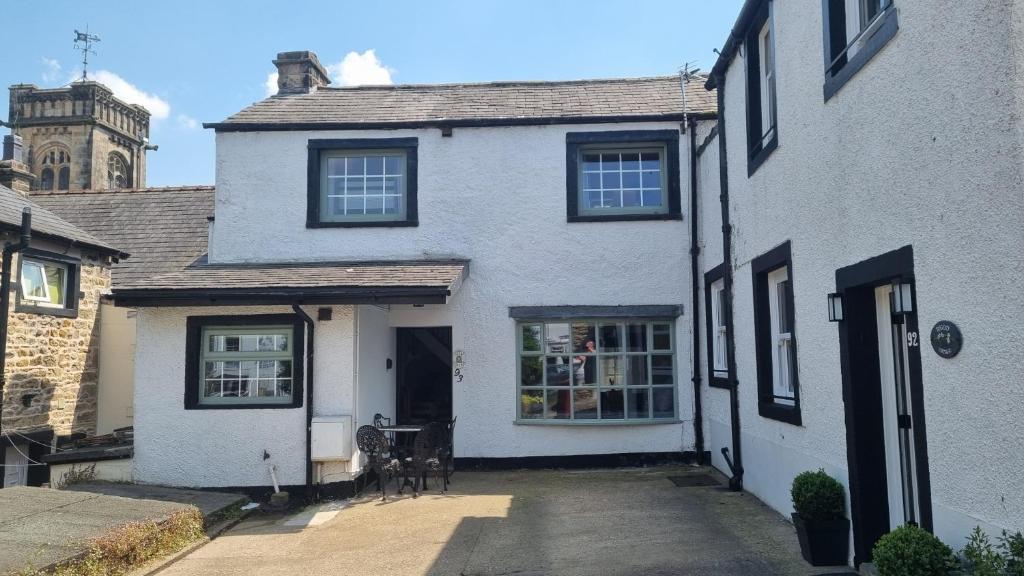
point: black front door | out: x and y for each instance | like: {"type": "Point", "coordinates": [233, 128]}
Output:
{"type": "Point", "coordinates": [424, 375]}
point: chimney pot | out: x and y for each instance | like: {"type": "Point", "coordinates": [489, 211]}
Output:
{"type": "Point", "coordinates": [299, 72]}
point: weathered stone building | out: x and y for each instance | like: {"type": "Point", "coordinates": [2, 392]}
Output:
{"type": "Point", "coordinates": [77, 137]}
{"type": "Point", "coordinates": [50, 334]}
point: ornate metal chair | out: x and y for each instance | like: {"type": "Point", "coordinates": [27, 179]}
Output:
{"type": "Point", "coordinates": [378, 420]}
{"type": "Point", "coordinates": [425, 457]}
{"type": "Point", "coordinates": [375, 446]}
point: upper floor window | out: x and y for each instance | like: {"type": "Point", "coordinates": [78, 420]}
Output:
{"type": "Point", "coordinates": [762, 136]}
{"type": "Point", "coordinates": [362, 182]}
{"type": "Point", "coordinates": [775, 334]}
{"type": "Point", "coordinates": [48, 284]}
{"type": "Point", "coordinates": [118, 174]}
{"type": "Point", "coordinates": [56, 168]}
{"type": "Point", "coordinates": [855, 30]}
{"type": "Point", "coordinates": [244, 361]}
{"type": "Point", "coordinates": [717, 331]}
{"type": "Point", "coordinates": [627, 175]}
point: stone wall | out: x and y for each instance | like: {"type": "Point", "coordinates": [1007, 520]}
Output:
{"type": "Point", "coordinates": [56, 360]}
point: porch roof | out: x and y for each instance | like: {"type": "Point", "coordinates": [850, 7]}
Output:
{"type": "Point", "coordinates": [377, 282]}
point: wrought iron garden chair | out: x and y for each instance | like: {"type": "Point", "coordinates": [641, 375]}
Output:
{"type": "Point", "coordinates": [425, 457]}
{"type": "Point", "coordinates": [375, 446]}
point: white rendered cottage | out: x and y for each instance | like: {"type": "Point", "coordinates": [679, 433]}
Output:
{"type": "Point", "coordinates": [511, 254]}
{"type": "Point", "coordinates": [870, 168]}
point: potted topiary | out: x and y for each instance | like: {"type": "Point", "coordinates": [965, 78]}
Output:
{"type": "Point", "coordinates": [911, 551]}
{"type": "Point", "coordinates": [820, 520]}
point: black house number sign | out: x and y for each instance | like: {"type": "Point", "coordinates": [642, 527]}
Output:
{"type": "Point", "coordinates": [946, 339]}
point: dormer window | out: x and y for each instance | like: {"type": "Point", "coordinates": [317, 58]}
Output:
{"type": "Point", "coordinates": [362, 182]}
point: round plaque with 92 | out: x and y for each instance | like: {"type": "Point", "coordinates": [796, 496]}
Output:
{"type": "Point", "coordinates": [946, 339]}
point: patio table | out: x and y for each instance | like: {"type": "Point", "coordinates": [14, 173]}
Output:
{"type": "Point", "coordinates": [404, 449]}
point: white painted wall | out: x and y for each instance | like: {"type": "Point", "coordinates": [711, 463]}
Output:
{"type": "Point", "coordinates": [923, 146]}
{"type": "Point", "coordinates": [497, 197]}
{"type": "Point", "coordinates": [181, 447]}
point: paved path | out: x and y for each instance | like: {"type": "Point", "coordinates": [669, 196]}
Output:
{"type": "Point", "coordinates": [40, 526]}
{"type": "Point", "coordinates": [612, 522]}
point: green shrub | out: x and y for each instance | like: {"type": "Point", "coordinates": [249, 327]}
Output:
{"type": "Point", "coordinates": [818, 497]}
{"type": "Point", "coordinates": [1012, 546]}
{"type": "Point", "coordinates": [980, 558]}
{"type": "Point", "coordinates": [912, 551]}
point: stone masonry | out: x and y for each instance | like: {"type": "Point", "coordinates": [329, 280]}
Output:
{"type": "Point", "coordinates": [52, 363]}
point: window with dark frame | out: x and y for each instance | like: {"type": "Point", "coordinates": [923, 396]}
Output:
{"type": "Point", "coordinates": [775, 336]}
{"type": "Point", "coordinates": [244, 362]}
{"type": "Point", "coordinates": [622, 175]}
{"type": "Point", "coordinates": [759, 47]}
{"type": "Point", "coordinates": [716, 329]}
{"type": "Point", "coordinates": [48, 283]}
{"type": "Point", "coordinates": [596, 370]}
{"type": "Point", "coordinates": [362, 182]}
{"type": "Point", "coordinates": [854, 31]}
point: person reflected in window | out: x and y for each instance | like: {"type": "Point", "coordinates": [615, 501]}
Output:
{"type": "Point", "coordinates": [583, 368]}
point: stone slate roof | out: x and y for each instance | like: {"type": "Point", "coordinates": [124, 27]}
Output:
{"type": "Point", "coordinates": [47, 224]}
{"type": "Point", "coordinates": [164, 229]}
{"type": "Point", "coordinates": [437, 274]}
{"type": "Point", "coordinates": [496, 103]}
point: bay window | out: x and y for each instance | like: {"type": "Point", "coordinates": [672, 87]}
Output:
{"type": "Point", "coordinates": [599, 370]}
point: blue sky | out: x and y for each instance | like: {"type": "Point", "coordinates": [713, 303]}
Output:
{"type": "Point", "coordinates": [200, 61]}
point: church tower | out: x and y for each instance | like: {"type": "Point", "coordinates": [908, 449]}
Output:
{"type": "Point", "coordinates": [78, 137]}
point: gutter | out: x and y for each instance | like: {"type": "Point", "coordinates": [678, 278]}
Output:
{"type": "Point", "coordinates": [736, 463]}
{"type": "Point", "coordinates": [716, 79]}
{"type": "Point", "coordinates": [5, 296]}
{"type": "Point", "coordinates": [698, 410]}
{"type": "Point", "coordinates": [310, 369]}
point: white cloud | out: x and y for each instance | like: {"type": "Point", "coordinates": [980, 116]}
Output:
{"type": "Point", "coordinates": [270, 85]}
{"type": "Point", "coordinates": [158, 108]}
{"type": "Point", "coordinates": [357, 69]}
{"type": "Point", "coordinates": [51, 73]}
{"type": "Point", "coordinates": [187, 122]}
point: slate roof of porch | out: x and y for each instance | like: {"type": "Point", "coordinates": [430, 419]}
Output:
{"type": "Point", "coordinates": [413, 281]}
{"type": "Point", "coordinates": [469, 104]}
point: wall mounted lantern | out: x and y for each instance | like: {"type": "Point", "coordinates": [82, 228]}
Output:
{"type": "Point", "coordinates": [835, 307]}
{"type": "Point", "coordinates": [902, 301]}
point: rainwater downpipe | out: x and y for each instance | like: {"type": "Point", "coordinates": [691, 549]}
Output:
{"type": "Point", "coordinates": [736, 462]}
{"type": "Point", "coordinates": [698, 410]}
{"type": "Point", "coordinates": [5, 296]}
{"type": "Point", "coordinates": [310, 369]}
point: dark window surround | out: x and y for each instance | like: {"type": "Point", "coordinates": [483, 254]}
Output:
{"type": "Point", "coordinates": [710, 277]}
{"type": "Point", "coordinates": [773, 260]}
{"type": "Point", "coordinates": [70, 309]}
{"type": "Point", "coordinates": [317, 146]}
{"type": "Point", "coordinates": [757, 151]}
{"type": "Point", "coordinates": [574, 141]}
{"type": "Point", "coordinates": [835, 42]}
{"type": "Point", "coordinates": [194, 340]}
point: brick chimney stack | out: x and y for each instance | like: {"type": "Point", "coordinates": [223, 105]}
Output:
{"type": "Point", "coordinates": [299, 72]}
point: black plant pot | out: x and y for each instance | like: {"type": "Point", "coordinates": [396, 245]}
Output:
{"type": "Point", "coordinates": [824, 543]}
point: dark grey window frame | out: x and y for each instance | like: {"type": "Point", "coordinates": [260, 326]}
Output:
{"type": "Point", "coordinates": [193, 343]}
{"type": "Point", "coordinates": [317, 147]}
{"type": "Point", "coordinates": [776, 258]}
{"type": "Point", "coordinates": [575, 142]}
{"type": "Point", "coordinates": [710, 277]}
{"type": "Point", "coordinates": [834, 41]}
{"type": "Point", "coordinates": [757, 149]}
{"type": "Point", "coordinates": [73, 288]}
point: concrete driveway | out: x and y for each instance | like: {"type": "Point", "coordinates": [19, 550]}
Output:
{"type": "Point", "coordinates": [626, 521]}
